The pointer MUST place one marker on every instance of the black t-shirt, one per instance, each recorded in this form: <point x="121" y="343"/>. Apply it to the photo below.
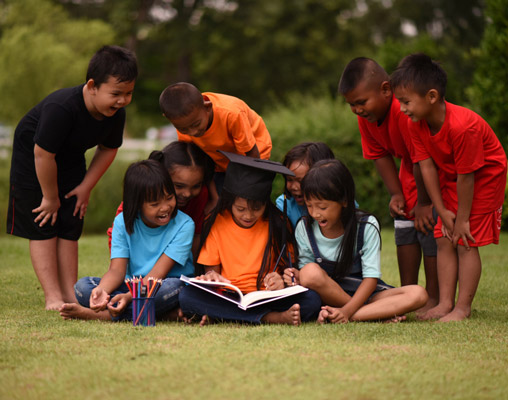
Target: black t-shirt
<point x="62" y="125"/>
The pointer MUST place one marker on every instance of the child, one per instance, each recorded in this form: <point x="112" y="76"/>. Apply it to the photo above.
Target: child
<point x="467" y="189"/>
<point x="190" y="170"/>
<point x="50" y="185"/>
<point x="241" y="243"/>
<point x="151" y="238"/>
<point x="339" y="253"/>
<point x="214" y="122"/>
<point x="299" y="160"/>
<point x="383" y="128"/>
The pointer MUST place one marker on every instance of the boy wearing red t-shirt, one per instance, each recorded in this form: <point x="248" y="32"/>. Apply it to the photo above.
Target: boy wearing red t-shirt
<point x="365" y="86"/>
<point x="464" y="170"/>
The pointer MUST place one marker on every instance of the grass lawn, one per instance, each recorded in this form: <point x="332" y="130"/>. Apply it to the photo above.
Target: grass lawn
<point x="45" y="357"/>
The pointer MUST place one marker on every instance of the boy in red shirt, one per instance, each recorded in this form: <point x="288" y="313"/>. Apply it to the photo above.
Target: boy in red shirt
<point x="383" y="127"/>
<point x="464" y="170"/>
<point x="214" y="122"/>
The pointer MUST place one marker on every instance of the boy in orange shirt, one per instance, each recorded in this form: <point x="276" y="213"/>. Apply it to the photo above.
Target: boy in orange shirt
<point x="214" y="122"/>
<point x="464" y="170"/>
<point x="383" y="127"/>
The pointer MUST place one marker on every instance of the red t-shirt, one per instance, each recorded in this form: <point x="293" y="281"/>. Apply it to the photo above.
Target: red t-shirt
<point x="391" y="137"/>
<point x="465" y="144"/>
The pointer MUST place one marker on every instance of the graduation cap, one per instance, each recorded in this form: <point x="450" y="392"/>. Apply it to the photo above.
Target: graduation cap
<point x="251" y="178"/>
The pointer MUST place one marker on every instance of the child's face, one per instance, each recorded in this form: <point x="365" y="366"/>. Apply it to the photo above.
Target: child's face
<point x="245" y="216"/>
<point x="293" y="182"/>
<point x="188" y="182"/>
<point x="196" y="123"/>
<point x="158" y="213"/>
<point x="370" y="101"/>
<point x="415" y="106"/>
<point x="327" y="214"/>
<point x="109" y="97"/>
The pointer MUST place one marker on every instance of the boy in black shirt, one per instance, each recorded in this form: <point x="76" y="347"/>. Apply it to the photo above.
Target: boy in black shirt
<point x="49" y="183"/>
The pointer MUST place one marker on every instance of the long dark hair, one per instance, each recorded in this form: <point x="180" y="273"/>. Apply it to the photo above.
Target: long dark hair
<point x="145" y="180"/>
<point x="331" y="180"/>
<point x="277" y="224"/>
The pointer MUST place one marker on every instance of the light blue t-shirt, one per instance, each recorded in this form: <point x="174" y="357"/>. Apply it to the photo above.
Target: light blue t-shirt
<point x="328" y="248"/>
<point x="294" y="211"/>
<point x="145" y="246"/>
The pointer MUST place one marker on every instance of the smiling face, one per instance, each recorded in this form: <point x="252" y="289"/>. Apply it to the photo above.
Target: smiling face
<point x="370" y="101"/>
<point x="244" y="215"/>
<point x="158" y="213"/>
<point x="108" y="98"/>
<point x="196" y="122"/>
<point x="293" y="182"/>
<point x="415" y="106"/>
<point x="327" y="214"/>
<point x="188" y="182"/>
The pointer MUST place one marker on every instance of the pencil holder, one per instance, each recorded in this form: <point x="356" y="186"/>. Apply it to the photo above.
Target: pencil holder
<point x="143" y="311"/>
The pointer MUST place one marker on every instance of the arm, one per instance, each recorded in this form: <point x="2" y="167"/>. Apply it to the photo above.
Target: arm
<point x="465" y="191"/>
<point x="344" y="313"/>
<point x="424" y="220"/>
<point x="101" y="161"/>
<point x="46" y="170"/>
<point x="99" y="299"/>
<point x="254" y="152"/>
<point x="431" y="180"/>
<point x="388" y="172"/>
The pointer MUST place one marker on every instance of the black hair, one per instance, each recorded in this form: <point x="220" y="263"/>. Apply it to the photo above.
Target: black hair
<point x="113" y="61"/>
<point x="331" y="180"/>
<point x="180" y="99"/>
<point x="420" y="73"/>
<point x="185" y="154"/>
<point x="144" y="181"/>
<point x="306" y="153"/>
<point x="358" y="70"/>
<point x="277" y="223"/>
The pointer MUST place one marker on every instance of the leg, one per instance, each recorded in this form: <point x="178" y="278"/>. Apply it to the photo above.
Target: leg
<point x="77" y="311"/>
<point x="166" y="299"/>
<point x="470" y="268"/>
<point x="391" y="303"/>
<point x="447" y="268"/>
<point x="67" y="268"/>
<point x="431" y="284"/>
<point x="314" y="277"/>
<point x="45" y="262"/>
<point x="409" y="257"/>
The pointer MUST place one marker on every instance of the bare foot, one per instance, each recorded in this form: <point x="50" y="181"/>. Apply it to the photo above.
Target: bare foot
<point x="323" y="317"/>
<point x="395" y="319"/>
<point x="54" y="305"/>
<point x="436" y="312"/>
<point x="289" y="317"/>
<point x="431" y="303"/>
<point x="204" y="320"/>
<point x="77" y="311"/>
<point x="456" y="315"/>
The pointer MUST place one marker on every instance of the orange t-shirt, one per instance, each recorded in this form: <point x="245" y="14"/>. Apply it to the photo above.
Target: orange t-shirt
<point x="235" y="128"/>
<point x="239" y="251"/>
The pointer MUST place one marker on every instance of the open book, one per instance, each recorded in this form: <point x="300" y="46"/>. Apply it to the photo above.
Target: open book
<point x="231" y="293"/>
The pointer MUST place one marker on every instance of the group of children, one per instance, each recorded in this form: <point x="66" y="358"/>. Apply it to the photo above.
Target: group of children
<point x="202" y="206"/>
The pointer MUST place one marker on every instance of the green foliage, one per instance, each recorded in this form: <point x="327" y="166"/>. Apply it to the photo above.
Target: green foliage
<point x="42" y="50"/>
<point x="328" y="120"/>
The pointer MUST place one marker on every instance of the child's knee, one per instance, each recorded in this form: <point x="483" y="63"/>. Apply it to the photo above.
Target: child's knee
<point x="312" y="275"/>
<point x="419" y="295"/>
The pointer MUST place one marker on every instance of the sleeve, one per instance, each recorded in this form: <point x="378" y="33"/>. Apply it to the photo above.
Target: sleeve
<point x="241" y="131"/>
<point x="183" y="138"/>
<point x="305" y="254"/>
<point x="280" y="202"/>
<point x="468" y="150"/>
<point x="54" y="126"/>
<point x="179" y="248"/>
<point x="209" y="254"/>
<point x="114" y="138"/>
<point x="371" y="148"/>
<point x="371" y="257"/>
<point x="119" y="239"/>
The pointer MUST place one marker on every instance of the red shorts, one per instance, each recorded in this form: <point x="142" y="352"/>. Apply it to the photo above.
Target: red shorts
<point x="485" y="228"/>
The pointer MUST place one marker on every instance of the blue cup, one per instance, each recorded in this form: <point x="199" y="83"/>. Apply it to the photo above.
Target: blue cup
<point x="143" y="311"/>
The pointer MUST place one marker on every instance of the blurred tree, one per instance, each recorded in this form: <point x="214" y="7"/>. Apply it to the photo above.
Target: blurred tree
<point x="42" y="50"/>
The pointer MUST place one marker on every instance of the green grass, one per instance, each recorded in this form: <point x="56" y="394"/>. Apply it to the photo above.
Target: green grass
<point x="45" y="357"/>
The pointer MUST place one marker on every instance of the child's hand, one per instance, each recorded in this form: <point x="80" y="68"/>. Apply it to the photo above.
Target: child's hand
<point x="291" y="276"/>
<point x="333" y="314"/>
<point x="213" y="276"/>
<point x="99" y="299"/>
<point x="462" y="231"/>
<point x="118" y="304"/>
<point x="424" y="220"/>
<point x="82" y="197"/>
<point x="48" y="211"/>
<point x="273" y="281"/>
<point x="397" y="204"/>
<point x="448" y="223"/>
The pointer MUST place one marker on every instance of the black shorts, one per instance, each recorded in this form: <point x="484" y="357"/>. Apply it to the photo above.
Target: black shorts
<point x="20" y="218"/>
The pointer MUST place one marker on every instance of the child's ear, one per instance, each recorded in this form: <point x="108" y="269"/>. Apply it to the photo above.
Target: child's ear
<point x="386" y="89"/>
<point x="90" y="85"/>
<point x="207" y="104"/>
<point x="432" y="96"/>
